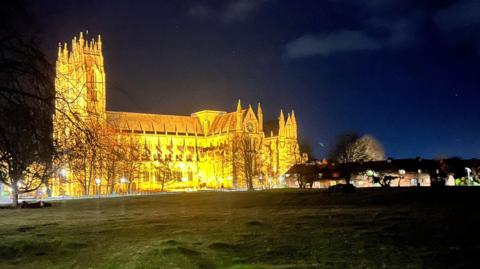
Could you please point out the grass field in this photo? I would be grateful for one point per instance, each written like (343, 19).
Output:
(373, 228)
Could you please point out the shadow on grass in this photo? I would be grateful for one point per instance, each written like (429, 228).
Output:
(37, 247)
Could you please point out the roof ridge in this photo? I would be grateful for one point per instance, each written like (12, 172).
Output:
(149, 114)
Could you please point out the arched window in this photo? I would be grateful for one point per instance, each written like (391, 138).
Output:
(146, 176)
(190, 175)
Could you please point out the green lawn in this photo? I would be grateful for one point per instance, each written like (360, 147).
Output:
(373, 228)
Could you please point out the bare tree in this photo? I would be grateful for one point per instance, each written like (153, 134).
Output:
(306, 148)
(131, 160)
(351, 147)
(112, 154)
(247, 153)
(163, 171)
(84, 153)
(374, 150)
(26, 153)
(347, 149)
(26, 107)
(306, 176)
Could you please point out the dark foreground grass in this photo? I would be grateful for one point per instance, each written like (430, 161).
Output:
(373, 228)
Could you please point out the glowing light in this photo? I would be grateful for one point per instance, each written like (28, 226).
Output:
(202, 159)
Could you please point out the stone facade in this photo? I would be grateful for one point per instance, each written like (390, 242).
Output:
(200, 149)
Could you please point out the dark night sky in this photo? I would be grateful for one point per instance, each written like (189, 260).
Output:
(405, 71)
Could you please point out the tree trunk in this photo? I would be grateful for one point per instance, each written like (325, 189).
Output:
(15, 193)
(49, 190)
(250, 184)
(112, 186)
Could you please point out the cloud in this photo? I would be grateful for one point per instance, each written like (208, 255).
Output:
(403, 32)
(338, 41)
(234, 11)
(200, 11)
(240, 10)
(459, 23)
(377, 34)
(462, 14)
(382, 6)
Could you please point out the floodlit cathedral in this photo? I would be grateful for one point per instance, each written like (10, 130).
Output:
(208, 149)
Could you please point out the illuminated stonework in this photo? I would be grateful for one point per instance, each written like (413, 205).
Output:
(200, 149)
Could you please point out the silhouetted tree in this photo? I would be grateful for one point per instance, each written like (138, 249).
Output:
(347, 149)
(383, 180)
(306, 147)
(350, 147)
(306, 176)
(26, 105)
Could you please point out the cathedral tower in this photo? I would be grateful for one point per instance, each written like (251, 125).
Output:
(80, 78)
(201, 150)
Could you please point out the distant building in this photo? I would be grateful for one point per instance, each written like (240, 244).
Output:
(199, 149)
(401, 173)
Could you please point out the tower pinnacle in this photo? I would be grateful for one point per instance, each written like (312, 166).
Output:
(260, 117)
(239, 116)
(281, 124)
(239, 105)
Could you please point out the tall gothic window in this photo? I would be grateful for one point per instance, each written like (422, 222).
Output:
(91, 92)
(190, 175)
(146, 176)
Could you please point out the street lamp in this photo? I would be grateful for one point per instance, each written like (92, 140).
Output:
(98, 181)
(123, 180)
(62, 179)
(63, 172)
(469, 172)
(401, 172)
